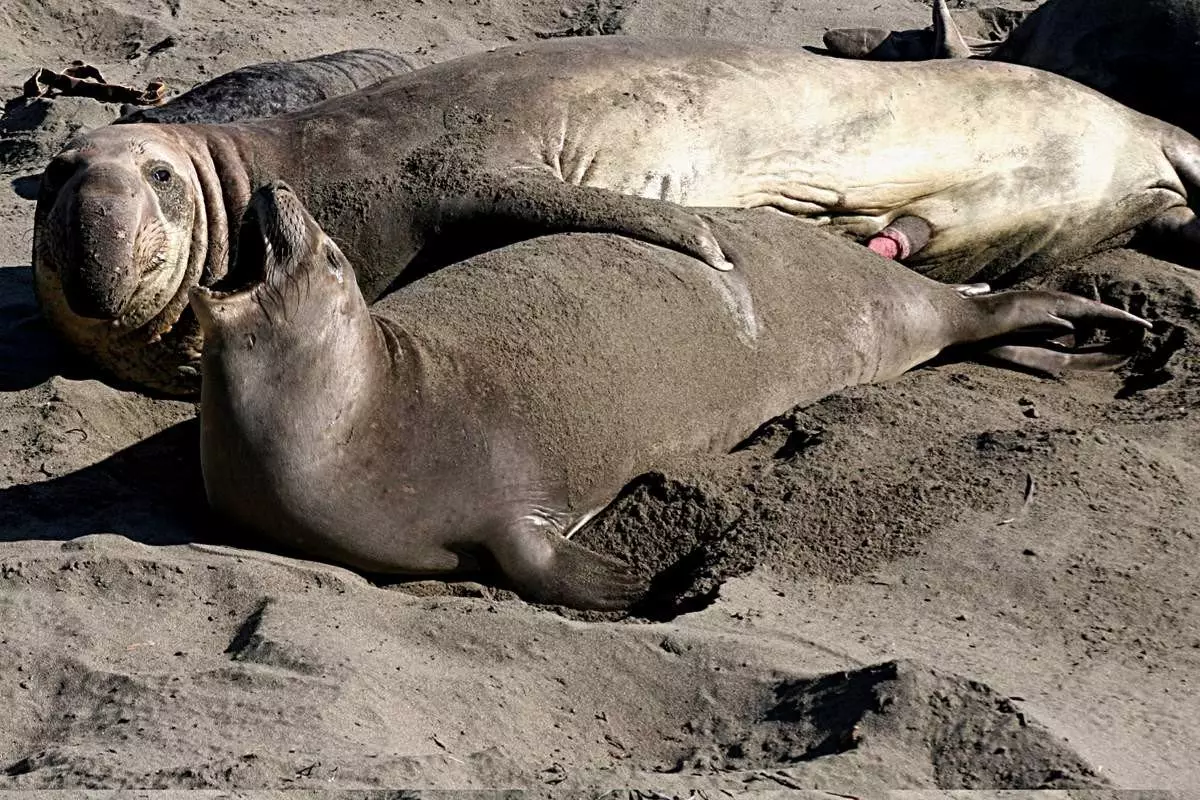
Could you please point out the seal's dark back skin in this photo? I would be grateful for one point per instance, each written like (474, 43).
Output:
(275, 87)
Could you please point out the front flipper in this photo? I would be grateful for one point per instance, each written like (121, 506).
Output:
(547, 568)
(523, 207)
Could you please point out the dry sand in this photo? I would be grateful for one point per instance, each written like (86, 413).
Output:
(964, 579)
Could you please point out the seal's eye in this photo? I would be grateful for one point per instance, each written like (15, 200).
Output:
(161, 175)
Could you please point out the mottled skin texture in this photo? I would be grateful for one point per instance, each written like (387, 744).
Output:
(1141, 53)
(427, 167)
(466, 421)
(275, 87)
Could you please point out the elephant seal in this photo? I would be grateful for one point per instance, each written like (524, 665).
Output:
(434, 165)
(1140, 54)
(465, 421)
(275, 87)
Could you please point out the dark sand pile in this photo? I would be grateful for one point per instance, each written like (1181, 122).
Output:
(964, 579)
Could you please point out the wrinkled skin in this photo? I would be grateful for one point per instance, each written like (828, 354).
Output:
(606, 134)
(466, 422)
(1142, 54)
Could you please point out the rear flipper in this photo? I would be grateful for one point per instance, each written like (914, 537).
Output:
(537, 205)
(1040, 311)
(1176, 234)
(1045, 360)
(1022, 329)
(547, 568)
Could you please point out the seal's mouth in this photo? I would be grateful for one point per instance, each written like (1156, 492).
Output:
(251, 252)
(276, 241)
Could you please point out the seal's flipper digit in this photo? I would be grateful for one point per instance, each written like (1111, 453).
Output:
(545, 567)
(542, 206)
(1052, 363)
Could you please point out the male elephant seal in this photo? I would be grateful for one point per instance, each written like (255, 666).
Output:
(1142, 54)
(466, 421)
(494, 147)
(275, 87)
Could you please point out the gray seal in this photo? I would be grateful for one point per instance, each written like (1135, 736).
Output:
(465, 422)
(275, 87)
(607, 134)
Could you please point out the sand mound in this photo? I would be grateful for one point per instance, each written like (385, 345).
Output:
(231, 668)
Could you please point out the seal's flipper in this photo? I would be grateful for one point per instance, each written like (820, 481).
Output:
(1038, 312)
(527, 207)
(544, 567)
(1018, 329)
(1177, 234)
(948, 41)
(1047, 361)
(972, 289)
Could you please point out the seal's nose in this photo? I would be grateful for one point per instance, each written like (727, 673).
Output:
(100, 220)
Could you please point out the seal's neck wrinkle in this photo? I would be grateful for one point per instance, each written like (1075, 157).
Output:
(225, 185)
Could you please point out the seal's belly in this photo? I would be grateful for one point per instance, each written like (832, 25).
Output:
(989, 198)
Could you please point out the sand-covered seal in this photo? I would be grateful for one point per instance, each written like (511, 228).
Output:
(275, 87)
(458, 157)
(1142, 54)
(466, 421)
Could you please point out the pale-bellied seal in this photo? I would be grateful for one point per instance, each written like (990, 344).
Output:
(457, 157)
(275, 87)
(1142, 54)
(468, 420)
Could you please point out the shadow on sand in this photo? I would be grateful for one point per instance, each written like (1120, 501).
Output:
(30, 353)
(151, 492)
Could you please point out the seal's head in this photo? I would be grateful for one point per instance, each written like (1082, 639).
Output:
(290, 290)
(287, 355)
(127, 219)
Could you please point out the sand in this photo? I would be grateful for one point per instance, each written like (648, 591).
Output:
(966, 578)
